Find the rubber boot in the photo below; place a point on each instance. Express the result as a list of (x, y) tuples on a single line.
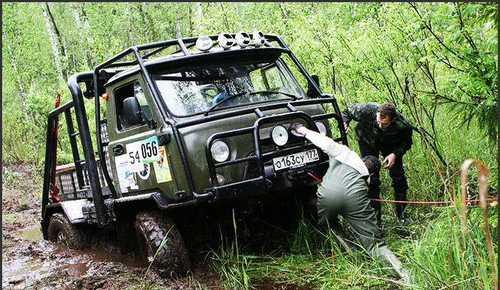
[(385, 254), (403, 219)]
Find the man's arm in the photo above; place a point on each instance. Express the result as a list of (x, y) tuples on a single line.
[(334, 150), (325, 143), (359, 112), (406, 142)]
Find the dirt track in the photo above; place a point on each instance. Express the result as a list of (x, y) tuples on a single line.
[(30, 262)]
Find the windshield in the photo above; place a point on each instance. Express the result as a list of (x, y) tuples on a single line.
[(206, 88)]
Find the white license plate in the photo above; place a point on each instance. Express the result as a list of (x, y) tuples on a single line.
[(295, 160)]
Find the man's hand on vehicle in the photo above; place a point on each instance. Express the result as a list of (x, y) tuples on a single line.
[(389, 160), (299, 130)]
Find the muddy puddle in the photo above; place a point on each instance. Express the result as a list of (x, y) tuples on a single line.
[(29, 262), (33, 263)]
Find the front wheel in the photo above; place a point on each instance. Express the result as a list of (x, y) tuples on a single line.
[(161, 242)]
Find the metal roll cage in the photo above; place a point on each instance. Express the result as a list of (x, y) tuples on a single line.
[(258, 155)]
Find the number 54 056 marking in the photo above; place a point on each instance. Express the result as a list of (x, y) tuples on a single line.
[(146, 150)]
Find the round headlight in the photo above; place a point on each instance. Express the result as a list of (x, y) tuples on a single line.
[(321, 128), (258, 38), (279, 135), (220, 151), (243, 39), (204, 43), (225, 40)]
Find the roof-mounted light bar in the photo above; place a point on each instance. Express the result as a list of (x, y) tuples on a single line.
[(243, 39), (204, 43), (258, 39), (225, 40)]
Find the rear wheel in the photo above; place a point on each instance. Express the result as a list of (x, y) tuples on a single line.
[(61, 231), (155, 230)]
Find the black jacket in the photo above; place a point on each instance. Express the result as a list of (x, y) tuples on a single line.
[(396, 138)]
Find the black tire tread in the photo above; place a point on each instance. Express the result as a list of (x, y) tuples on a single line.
[(75, 238), (173, 258)]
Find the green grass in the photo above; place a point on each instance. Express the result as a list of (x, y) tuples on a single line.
[(313, 262), (437, 254)]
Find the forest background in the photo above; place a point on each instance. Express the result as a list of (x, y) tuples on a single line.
[(437, 62)]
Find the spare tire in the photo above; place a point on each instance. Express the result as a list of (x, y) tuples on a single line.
[(152, 229), (61, 231)]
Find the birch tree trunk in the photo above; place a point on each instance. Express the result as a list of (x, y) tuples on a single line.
[(82, 25), (197, 18), (13, 62), (149, 23), (178, 31), (56, 42), (130, 37), (224, 17)]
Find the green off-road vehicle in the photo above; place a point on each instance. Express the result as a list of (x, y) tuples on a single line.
[(184, 130)]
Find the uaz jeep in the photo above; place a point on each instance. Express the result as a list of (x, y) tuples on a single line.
[(182, 125)]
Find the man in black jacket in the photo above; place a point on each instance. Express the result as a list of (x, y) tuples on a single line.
[(382, 130)]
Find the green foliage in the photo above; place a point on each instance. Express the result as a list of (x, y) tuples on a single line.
[(315, 262), (436, 61), (422, 57)]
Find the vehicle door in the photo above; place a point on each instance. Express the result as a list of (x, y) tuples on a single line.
[(139, 159)]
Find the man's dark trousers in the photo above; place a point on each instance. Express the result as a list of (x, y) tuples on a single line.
[(398, 177)]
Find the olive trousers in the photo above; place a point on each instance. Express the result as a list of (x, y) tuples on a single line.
[(355, 208)]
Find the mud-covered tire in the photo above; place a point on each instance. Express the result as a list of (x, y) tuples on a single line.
[(60, 230), (172, 259)]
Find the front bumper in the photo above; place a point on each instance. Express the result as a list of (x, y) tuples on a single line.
[(267, 179), (270, 182)]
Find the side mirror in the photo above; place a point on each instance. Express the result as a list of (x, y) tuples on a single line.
[(311, 92), (131, 111)]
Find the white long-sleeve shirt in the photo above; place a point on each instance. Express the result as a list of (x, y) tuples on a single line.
[(338, 151)]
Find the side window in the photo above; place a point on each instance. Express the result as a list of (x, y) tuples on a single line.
[(288, 65), (132, 108), (143, 103)]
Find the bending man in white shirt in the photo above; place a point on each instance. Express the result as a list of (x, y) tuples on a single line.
[(344, 191)]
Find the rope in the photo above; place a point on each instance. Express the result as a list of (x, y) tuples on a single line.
[(430, 203), (415, 202)]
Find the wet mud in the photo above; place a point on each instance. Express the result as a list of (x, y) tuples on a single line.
[(30, 262)]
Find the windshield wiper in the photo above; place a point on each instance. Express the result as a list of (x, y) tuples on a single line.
[(223, 101), (294, 97)]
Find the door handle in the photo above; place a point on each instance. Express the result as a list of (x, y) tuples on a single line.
[(118, 150)]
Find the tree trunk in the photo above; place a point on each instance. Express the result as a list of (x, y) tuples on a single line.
[(56, 42), (178, 31), (82, 24), (283, 10), (130, 37), (224, 17), (148, 22), (19, 82), (196, 18), (334, 79)]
